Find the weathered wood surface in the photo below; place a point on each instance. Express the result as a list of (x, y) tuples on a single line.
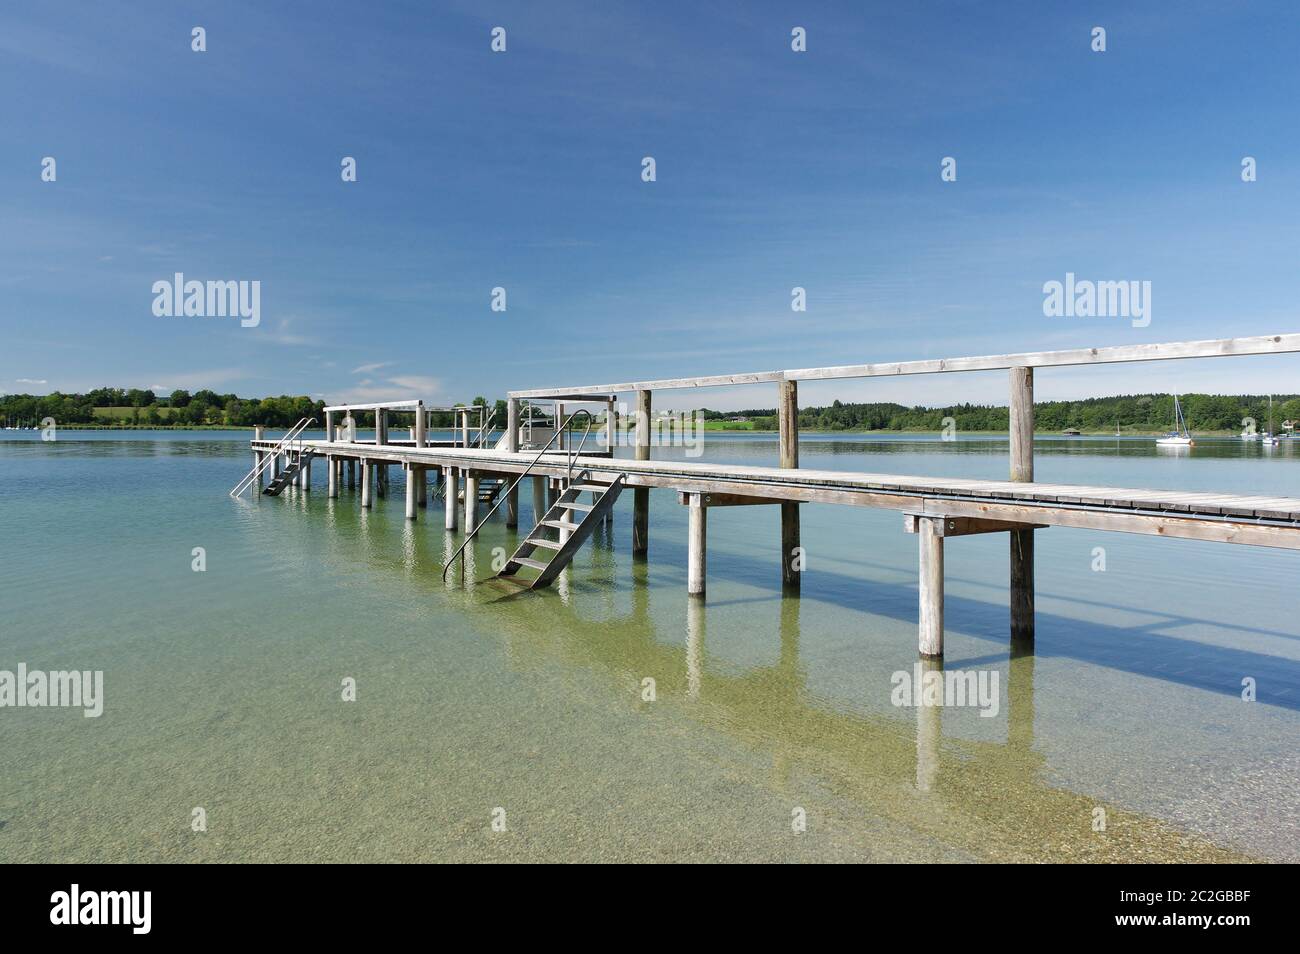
[(1175, 350), (787, 411), (1216, 348), (930, 589), (779, 483), (390, 405), (597, 392), (641, 495), (965, 526), (1231, 518), (727, 500), (1021, 541), (696, 549)]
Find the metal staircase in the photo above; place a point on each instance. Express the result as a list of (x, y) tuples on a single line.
[(286, 447), (570, 536), (286, 476), (489, 488)]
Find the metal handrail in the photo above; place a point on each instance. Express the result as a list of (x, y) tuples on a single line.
[(294, 433), (501, 498), (483, 428), (590, 421)]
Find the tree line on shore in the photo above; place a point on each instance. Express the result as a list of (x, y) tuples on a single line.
[(135, 407), (1142, 412)]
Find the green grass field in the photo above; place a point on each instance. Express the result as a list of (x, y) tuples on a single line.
[(126, 413)]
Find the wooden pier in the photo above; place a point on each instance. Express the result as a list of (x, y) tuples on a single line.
[(934, 509)]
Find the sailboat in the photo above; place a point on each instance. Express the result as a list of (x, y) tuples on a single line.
[(1178, 437), (1268, 439)]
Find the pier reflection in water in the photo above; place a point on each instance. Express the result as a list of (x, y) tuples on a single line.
[(985, 799)]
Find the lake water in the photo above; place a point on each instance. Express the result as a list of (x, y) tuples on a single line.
[(223, 687)]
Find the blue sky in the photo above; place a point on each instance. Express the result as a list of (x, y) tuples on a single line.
[(522, 170)]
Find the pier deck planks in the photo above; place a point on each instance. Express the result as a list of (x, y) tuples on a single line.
[(1252, 519)]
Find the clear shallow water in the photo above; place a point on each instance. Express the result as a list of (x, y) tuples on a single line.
[(223, 687)]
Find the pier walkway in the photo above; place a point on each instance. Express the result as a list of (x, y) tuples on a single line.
[(934, 508)]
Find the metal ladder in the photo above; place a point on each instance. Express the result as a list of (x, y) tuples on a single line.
[(567, 504), (268, 457), (569, 536)]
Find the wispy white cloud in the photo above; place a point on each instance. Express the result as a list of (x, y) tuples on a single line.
[(400, 387), (31, 381), (416, 382), (281, 334), (371, 368)]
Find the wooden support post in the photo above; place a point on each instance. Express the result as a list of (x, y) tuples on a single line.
[(421, 440), (641, 495), (1022, 470), (352, 475), (471, 500), (1022, 587), (412, 491), (931, 587), (381, 479), (539, 498), (450, 480), (512, 445), (306, 474), (788, 423), (329, 426), (696, 545), (381, 425), (259, 434), (365, 482), (331, 477), (611, 421)]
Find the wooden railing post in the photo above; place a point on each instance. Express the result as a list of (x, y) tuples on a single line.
[(641, 495), (788, 425), (421, 440), (512, 445), (1022, 470)]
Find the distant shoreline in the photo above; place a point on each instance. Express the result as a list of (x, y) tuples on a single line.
[(710, 430)]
